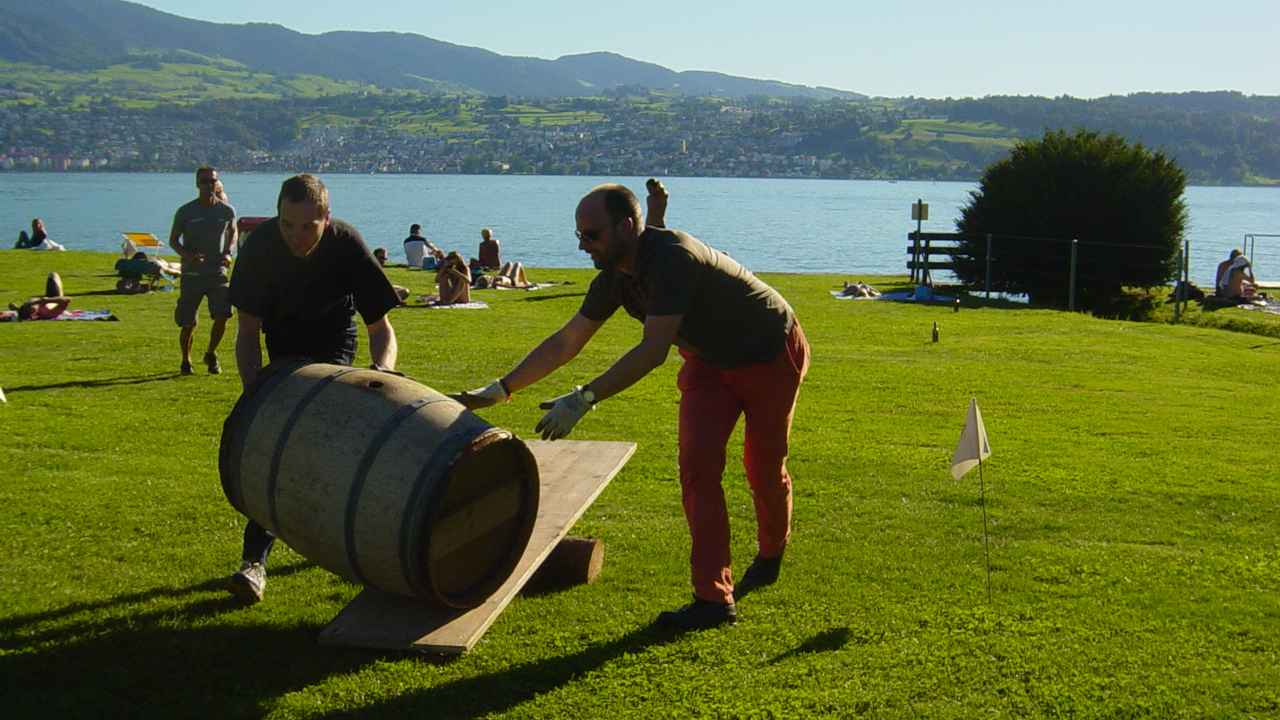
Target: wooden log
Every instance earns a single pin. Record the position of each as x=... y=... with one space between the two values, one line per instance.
x=573 y=561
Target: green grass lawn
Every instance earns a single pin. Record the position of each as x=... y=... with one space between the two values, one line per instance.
x=1133 y=500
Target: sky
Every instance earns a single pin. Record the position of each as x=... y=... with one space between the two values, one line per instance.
x=924 y=48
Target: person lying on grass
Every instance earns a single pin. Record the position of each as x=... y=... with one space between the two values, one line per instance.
x=510 y=276
x=47 y=307
x=860 y=289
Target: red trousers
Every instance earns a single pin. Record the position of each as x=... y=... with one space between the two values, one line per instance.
x=711 y=400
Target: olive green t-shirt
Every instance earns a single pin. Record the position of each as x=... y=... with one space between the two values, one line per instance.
x=731 y=318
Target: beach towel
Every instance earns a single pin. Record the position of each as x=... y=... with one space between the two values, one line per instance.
x=534 y=286
x=431 y=300
x=1267 y=306
x=473 y=305
x=839 y=295
x=87 y=315
x=12 y=316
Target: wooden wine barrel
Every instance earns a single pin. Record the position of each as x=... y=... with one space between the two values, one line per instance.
x=381 y=480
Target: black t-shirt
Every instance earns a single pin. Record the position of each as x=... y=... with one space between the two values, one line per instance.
x=731 y=318
x=308 y=306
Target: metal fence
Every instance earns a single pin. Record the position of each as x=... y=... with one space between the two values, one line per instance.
x=924 y=247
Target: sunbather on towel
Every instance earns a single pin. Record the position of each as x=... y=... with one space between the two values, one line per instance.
x=48 y=307
x=510 y=276
x=859 y=290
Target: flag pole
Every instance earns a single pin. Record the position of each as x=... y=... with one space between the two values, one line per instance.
x=986 y=543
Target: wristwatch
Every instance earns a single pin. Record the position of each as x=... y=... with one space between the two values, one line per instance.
x=588 y=394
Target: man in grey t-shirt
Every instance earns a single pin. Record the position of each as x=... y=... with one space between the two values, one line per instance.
x=204 y=236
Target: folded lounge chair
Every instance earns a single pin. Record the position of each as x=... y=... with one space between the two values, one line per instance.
x=135 y=242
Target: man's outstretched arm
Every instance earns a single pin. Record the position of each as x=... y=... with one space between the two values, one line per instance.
x=564 y=412
x=557 y=349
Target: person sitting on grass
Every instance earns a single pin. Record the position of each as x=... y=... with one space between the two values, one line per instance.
x=454 y=280
x=510 y=276
x=1238 y=285
x=490 y=255
x=38 y=240
x=380 y=254
x=1224 y=268
x=435 y=256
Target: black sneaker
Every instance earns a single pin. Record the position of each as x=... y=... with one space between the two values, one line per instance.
x=186 y=368
x=699 y=615
x=762 y=571
x=211 y=362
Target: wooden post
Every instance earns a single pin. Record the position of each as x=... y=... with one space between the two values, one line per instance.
x=989 y=239
x=915 y=255
x=1071 y=299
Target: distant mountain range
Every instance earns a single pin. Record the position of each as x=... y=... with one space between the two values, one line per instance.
x=85 y=34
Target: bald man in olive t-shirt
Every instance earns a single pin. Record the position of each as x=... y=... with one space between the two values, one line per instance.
x=744 y=355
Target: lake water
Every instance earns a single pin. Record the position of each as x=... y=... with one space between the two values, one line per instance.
x=836 y=226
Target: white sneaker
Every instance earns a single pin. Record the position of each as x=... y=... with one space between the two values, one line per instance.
x=248 y=582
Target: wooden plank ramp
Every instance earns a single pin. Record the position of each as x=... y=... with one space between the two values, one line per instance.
x=573 y=473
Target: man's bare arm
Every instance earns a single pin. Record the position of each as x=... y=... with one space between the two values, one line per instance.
x=659 y=334
x=229 y=243
x=557 y=349
x=382 y=344
x=248 y=346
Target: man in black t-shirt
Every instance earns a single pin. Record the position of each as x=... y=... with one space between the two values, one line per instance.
x=299 y=281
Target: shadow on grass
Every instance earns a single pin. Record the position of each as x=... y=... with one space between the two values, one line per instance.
x=16 y=623
x=498 y=692
x=825 y=641
x=108 y=382
x=155 y=670
x=542 y=296
x=141 y=659
x=133 y=657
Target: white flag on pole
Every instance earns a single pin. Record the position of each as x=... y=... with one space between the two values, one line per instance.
x=973 y=446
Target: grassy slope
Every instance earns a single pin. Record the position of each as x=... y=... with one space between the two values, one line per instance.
x=1132 y=500
x=181 y=83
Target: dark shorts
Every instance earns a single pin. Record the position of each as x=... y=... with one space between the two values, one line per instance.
x=195 y=288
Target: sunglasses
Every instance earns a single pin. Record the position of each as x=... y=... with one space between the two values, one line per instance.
x=590 y=236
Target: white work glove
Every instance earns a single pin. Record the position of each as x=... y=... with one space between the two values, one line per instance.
x=489 y=395
x=562 y=414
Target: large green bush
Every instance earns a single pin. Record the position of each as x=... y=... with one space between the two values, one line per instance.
x=1121 y=201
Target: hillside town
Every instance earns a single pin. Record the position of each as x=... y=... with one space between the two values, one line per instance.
x=630 y=132
x=694 y=137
